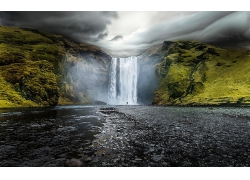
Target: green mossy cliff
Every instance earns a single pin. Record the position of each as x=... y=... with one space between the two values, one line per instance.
x=194 y=73
x=42 y=69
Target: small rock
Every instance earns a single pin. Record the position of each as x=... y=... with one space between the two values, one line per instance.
x=80 y=155
x=62 y=155
x=100 y=152
x=165 y=164
x=88 y=159
x=151 y=149
x=95 y=160
x=73 y=163
x=138 y=159
x=157 y=158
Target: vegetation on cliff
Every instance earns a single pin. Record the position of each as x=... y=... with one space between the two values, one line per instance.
x=194 y=73
x=42 y=69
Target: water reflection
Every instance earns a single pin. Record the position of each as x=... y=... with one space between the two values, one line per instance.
x=46 y=136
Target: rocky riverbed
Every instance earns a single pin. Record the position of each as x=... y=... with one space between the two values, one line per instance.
x=139 y=136
x=173 y=136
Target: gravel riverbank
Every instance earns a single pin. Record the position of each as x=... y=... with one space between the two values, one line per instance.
x=173 y=136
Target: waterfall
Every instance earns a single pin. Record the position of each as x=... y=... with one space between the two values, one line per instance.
x=112 y=81
x=123 y=81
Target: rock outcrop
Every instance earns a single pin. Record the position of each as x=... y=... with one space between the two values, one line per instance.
x=194 y=73
x=42 y=69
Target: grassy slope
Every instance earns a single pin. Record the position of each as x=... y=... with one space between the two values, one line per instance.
x=25 y=79
x=36 y=68
x=200 y=74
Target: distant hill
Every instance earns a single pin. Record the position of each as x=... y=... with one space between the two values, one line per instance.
x=194 y=73
x=42 y=69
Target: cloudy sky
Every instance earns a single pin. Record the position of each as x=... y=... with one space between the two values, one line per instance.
x=129 y=33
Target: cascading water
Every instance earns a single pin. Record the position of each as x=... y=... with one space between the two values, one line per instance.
x=123 y=81
x=112 y=81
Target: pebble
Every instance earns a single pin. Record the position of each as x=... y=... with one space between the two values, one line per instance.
x=74 y=163
x=165 y=164
x=95 y=161
x=138 y=159
x=88 y=159
x=157 y=158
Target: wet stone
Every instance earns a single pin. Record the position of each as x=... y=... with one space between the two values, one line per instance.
x=157 y=158
x=138 y=159
x=74 y=163
x=115 y=160
x=80 y=155
x=95 y=160
x=88 y=159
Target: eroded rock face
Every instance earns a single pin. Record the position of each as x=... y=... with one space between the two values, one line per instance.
x=42 y=69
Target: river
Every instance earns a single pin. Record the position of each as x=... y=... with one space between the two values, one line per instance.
x=125 y=136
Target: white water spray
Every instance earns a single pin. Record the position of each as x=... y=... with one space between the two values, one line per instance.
x=123 y=81
x=112 y=81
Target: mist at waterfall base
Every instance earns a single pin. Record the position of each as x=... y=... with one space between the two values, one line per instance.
x=123 y=81
x=129 y=81
x=89 y=79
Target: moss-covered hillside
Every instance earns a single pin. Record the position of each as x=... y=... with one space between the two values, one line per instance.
x=42 y=69
x=193 y=73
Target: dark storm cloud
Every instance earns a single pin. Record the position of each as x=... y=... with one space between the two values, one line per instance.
x=87 y=26
x=219 y=28
x=116 y=38
x=210 y=27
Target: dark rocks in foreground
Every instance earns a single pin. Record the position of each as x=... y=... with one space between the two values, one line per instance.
x=173 y=136
x=126 y=136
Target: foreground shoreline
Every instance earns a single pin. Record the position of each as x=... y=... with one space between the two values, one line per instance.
x=173 y=137
x=126 y=136
x=170 y=105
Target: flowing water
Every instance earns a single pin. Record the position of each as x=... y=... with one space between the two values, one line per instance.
x=123 y=81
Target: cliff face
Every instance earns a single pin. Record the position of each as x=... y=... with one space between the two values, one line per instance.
x=193 y=73
x=42 y=69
